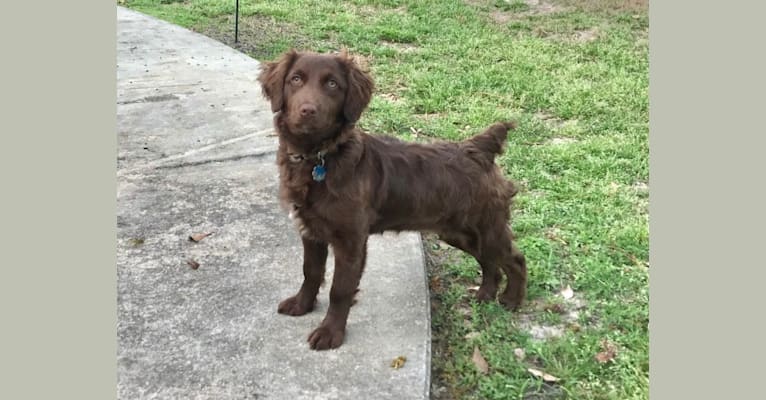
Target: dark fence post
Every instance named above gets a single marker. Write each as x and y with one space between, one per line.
236 23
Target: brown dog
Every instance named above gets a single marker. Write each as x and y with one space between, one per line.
341 185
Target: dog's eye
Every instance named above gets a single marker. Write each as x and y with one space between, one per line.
295 79
332 84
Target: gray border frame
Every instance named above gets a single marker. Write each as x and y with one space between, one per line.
706 94
57 290
58 224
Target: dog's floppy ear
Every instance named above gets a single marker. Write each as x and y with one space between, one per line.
272 78
359 91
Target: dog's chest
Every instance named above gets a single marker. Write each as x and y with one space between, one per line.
300 195
296 215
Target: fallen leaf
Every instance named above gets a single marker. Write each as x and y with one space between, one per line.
540 374
193 264
473 288
472 335
199 236
135 242
608 353
554 307
436 284
567 293
479 361
519 353
604 357
398 362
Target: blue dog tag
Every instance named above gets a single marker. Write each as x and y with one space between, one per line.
318 173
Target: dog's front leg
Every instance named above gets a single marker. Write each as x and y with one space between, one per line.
350 257
314 259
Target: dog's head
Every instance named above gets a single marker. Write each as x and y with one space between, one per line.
316 93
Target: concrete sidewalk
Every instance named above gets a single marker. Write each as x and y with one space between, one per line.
195 155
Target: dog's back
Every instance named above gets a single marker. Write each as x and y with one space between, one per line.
424 187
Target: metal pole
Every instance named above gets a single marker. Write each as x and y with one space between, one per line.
236 23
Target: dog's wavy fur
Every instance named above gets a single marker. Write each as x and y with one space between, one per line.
376 183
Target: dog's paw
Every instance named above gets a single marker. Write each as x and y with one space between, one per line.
485 295
295 306
510 303
326 337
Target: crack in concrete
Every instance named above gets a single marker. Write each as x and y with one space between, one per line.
212 160
164 160
151 99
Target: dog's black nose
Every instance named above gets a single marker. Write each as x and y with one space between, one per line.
308 110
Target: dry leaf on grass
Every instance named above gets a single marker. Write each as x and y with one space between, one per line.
479 361
575 327
436 284
555 307
193 264
473 288
519 353
472 335
540 374
199 236
608 353
567 293
398 362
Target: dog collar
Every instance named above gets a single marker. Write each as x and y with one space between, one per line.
319 171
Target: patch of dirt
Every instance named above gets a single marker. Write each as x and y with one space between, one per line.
569 309
559 141
557 124
400 47
638 193
430 116
367 10
607 6
505 11
550 119
541 7
500 17
391 97
587 35
546 391
502 12
256 33
641 187
554 234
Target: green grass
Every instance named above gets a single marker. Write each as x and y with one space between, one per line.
575 76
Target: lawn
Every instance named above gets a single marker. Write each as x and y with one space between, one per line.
574 74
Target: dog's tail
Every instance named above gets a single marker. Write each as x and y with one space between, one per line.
491 142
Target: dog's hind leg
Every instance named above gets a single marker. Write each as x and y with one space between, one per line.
514 265
490 275
498 252
515 268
